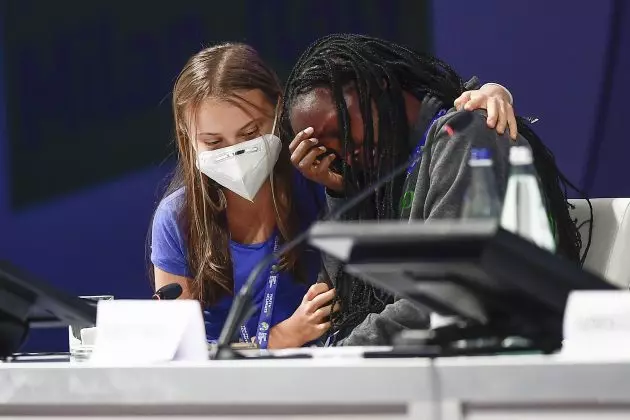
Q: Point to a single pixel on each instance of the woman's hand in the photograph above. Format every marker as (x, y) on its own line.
(305, 151)
(309, 321)
(497, 101)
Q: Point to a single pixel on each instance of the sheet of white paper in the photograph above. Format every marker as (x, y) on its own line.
(193, 345)
(149, 331)
(597, 325)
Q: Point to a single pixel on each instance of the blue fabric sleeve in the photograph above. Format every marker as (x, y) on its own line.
(167, 244)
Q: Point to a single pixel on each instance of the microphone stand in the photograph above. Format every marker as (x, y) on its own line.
(243, 307)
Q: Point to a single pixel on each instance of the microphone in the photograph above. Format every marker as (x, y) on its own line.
(169, 292)
(243, 307)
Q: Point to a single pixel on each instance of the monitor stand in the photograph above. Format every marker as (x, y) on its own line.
(13, 333)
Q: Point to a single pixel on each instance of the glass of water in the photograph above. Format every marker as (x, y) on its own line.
(81, 338)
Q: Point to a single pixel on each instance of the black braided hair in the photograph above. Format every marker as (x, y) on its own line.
(381, 71)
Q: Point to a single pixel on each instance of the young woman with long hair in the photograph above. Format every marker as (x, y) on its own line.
(374, 103)
(234, 198)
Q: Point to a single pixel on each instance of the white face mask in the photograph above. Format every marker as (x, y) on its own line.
(244, 167)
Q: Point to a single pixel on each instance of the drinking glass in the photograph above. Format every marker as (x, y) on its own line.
(81, 338)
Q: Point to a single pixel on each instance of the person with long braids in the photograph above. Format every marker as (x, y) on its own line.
(360, 107)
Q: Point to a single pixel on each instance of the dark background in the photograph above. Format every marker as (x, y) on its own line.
(85, 115)
(87, 83)
(85, 138)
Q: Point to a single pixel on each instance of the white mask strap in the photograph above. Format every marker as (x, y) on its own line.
(275, 118)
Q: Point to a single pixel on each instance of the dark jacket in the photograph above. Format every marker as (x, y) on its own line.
(442, 178)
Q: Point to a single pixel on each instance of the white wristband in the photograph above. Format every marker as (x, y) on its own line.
(504, 88)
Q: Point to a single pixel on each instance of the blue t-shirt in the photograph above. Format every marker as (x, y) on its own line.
(168, 253)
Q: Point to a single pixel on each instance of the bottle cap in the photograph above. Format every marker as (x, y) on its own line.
(520, 155)
(479, 153)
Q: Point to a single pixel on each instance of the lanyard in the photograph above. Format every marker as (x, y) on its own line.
(332, 338)
(264, 322)
(418, 150)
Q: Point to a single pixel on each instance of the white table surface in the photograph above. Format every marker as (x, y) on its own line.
(514, 387)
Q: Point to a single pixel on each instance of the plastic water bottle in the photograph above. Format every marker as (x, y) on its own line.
(481, 200)
(523, 211)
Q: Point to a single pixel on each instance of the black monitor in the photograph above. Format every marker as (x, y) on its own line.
(496, 282)
(27, 302)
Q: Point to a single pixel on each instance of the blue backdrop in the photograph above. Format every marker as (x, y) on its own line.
(563, 64)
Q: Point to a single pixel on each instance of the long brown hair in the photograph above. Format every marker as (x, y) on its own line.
(221, 72)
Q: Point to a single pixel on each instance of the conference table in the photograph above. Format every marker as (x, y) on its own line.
(332, 387)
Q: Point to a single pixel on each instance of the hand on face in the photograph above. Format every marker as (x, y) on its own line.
(496, 101)
(305, 156)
